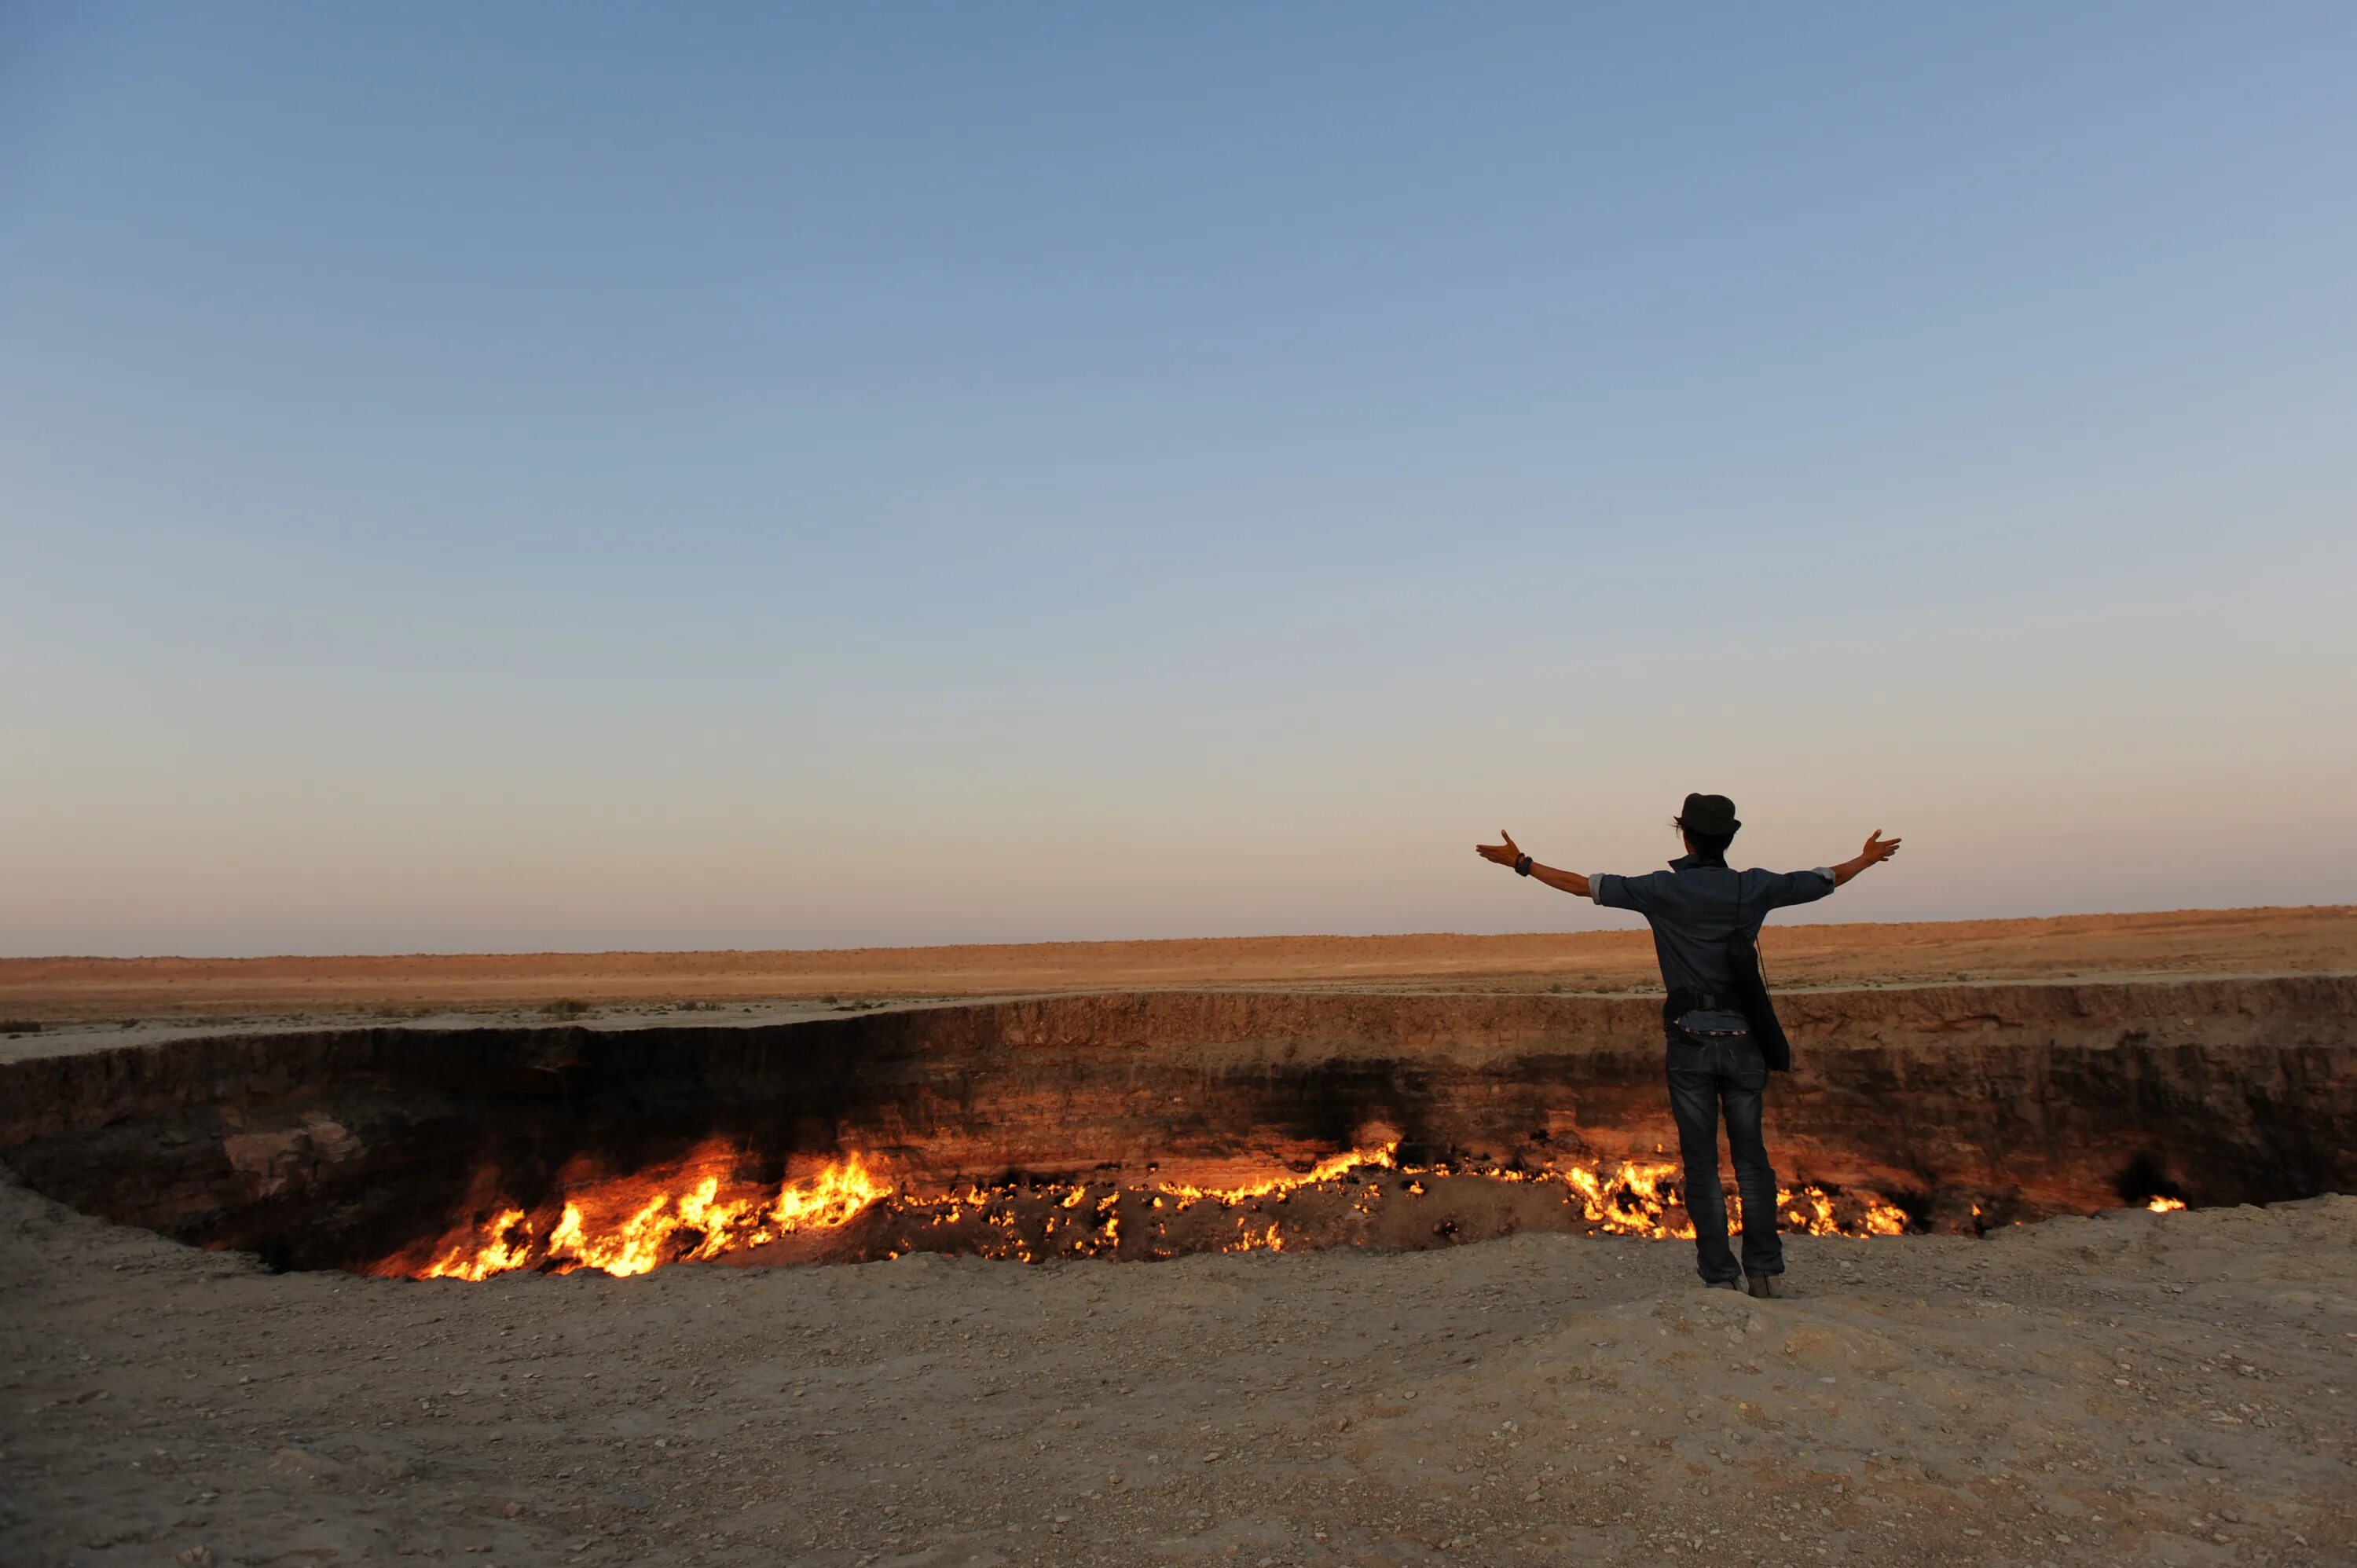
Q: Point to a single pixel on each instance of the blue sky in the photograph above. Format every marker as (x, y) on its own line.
(598, 476)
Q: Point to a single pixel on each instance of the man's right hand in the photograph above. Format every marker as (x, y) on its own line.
(1877, 850)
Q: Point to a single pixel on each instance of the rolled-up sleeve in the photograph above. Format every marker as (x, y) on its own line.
(1621, 892)
(1799, 886)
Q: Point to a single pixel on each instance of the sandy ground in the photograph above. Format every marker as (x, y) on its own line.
(2177, 1389)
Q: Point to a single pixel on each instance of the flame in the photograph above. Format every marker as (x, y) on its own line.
(1811, 1211)
(1332, 1169)
(1633, 1200)
(618, 1226)
(496, 1254)
(698, 1211)
(829, 1200)
(1262, 1240)
(2166, 1205)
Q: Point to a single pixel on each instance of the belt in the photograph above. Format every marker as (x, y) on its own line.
(1678, 1004)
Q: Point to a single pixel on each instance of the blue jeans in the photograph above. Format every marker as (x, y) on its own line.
(1706, 1075)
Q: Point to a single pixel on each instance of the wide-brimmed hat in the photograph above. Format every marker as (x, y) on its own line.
(1712, 814)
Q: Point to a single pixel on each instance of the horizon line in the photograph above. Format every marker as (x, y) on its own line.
(1615, 933)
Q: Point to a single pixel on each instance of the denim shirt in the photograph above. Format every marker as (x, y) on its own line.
(1694, 907)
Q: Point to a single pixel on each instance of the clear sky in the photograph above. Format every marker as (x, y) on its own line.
(563, 476)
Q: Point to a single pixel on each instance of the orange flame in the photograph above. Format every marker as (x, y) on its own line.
(496, 1253)
(1332, 1169)
(631, 1224)
(654, 1229)
(2166, 1205)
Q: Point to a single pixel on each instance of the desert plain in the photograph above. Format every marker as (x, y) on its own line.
(2126, 1386)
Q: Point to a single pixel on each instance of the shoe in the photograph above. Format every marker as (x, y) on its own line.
(1722, 1284)
(1763, 1285)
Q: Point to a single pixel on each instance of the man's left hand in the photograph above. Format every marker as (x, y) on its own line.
(1503, 853)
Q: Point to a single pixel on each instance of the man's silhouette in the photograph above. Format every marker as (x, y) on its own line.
(1697, 909)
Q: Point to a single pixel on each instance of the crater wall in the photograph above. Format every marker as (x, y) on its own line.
(2000, 1101)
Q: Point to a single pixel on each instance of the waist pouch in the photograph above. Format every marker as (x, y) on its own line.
(1747, 995)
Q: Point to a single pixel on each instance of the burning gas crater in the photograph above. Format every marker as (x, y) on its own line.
(1030, 1130)
(698, 1211)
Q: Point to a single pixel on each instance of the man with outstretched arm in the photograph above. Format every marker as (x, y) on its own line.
(1706, 920)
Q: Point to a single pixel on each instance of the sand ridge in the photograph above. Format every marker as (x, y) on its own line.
(2221, 941)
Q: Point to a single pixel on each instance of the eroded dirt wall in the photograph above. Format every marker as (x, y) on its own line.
(2021, 1100)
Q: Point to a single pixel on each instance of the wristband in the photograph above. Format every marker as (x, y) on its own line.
(1522, 867)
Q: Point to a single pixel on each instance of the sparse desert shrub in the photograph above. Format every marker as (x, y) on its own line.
(565, 1007)
(19, 1027)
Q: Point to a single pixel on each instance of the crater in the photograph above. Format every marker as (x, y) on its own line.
(1145, 1125)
